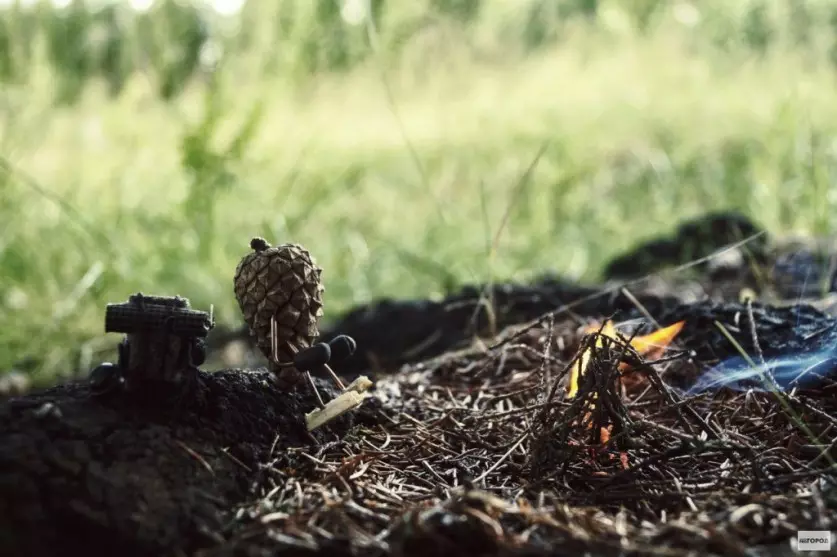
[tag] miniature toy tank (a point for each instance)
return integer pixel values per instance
(163, 343)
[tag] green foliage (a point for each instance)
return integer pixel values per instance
(300, 38)
(69, 53)
(210, 170)
(758, 28)
(142, 151)
(464, 11)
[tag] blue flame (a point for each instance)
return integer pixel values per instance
(785, 373)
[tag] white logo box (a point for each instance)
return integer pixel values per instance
(813, 540)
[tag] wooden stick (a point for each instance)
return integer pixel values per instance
(352, 398)
(335, 377)
(316, 392)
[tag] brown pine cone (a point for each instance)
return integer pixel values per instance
(281, 282)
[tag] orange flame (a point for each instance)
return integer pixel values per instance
(651, 347)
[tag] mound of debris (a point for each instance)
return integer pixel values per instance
(483, 452)
(94, 476)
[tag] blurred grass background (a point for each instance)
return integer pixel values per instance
(411, 146)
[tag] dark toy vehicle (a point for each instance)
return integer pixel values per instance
(163, 345)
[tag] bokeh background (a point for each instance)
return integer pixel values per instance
(412, 146)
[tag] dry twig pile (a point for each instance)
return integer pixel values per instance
(482, 452)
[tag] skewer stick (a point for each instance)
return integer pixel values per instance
(314, 387)
(335, 377)
(274, 350)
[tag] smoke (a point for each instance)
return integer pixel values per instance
(783, 373)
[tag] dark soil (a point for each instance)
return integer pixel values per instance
(100, 476)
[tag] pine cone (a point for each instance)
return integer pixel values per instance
(282, 282)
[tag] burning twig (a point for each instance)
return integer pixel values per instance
(652, 346)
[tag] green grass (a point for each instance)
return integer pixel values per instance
(397, 173)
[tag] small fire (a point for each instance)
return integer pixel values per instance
(651, 347)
